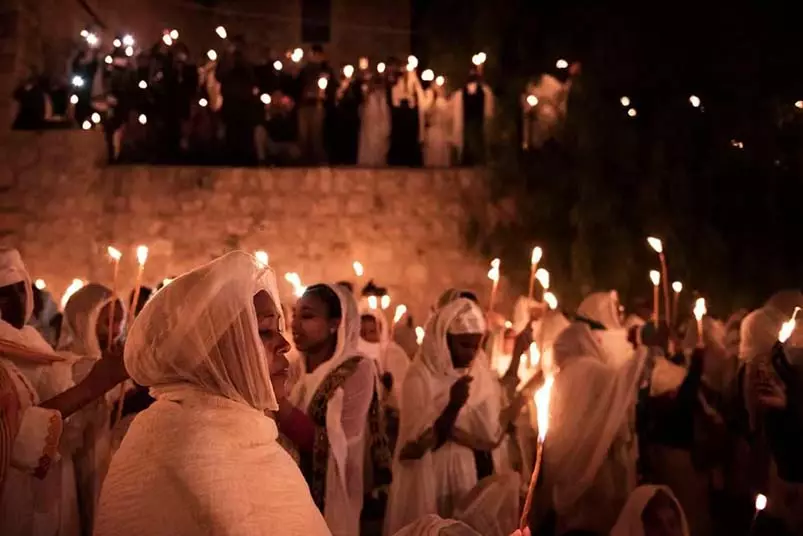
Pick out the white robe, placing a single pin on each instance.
(374, 130)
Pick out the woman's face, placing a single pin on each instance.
(272, 340)
(661, 517)
(463, 348)
(368, 329)
(113, 309)
(312, 327)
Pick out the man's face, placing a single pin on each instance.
(12, 304)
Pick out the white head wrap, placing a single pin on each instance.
(469, 320)
(458, 316)
(603, 308)
(630, 523)
(200, 333)
(81, 314)
(433, 525)
(12, 271)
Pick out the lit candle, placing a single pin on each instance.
(401, 310)
(385, 302)
(542, 275)
(700, 311)
(358, 269)
(262, 258)
(221, 32)
(655, 277)
(419, 335)
(372, 303)
(142, 257)
(535, 354)
(535, 258)
(542, 398)
(115, 256)
(677, 287)
(40, 284)
(74, 287)
(551, 300)
(788, 327)
(294, 280)
(493, 275)
(658, 246)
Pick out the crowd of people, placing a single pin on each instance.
(209, 407)
(164, 105)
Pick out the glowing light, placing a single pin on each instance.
(542, 397)
(114, 253)
(428, 75)
(166, 281)
(401, 310)
(700, 310)
(348, 71)
(117, 43)
(419, 335)
(203, 103)
(380, 67)
(532, 100)
(551, 300)
(542, 276)
(535, 355)
(84, 33)
(363, 64)
(142, 255)
(536, 256)
(92, 39)
(265, 98)
(481, 58)
(323, 83)
(73, 99)
(262, 258)
(385, 302)
(129, 51)
(493, 273)
(143, 84)
(143, 119)
(695, 101)
(295, 281)
(761, 502)
(86, 125)
(372, 302)
(412, 63)
(788, 327)
(677, 286)
(211, 54)
(95, 117)
(561, 64)
(128, 40)
(167, 40)
(297, 55)
(656, 244)
(737, 144)
(221, 32)
(74, 287)
(277, 65)
(77, 81)
(108, 60)
(625, 101)
(632, 112)
(40, 284)
(508, 324)
(799, 104)
(174, 34)
(358, 269)
(439, 81)
(655, 277)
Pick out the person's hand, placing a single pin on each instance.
(109, 370)
(458, 393)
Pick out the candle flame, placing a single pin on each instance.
(419, 334)
(538, 253)
(655, 277)
(372, 302)
(700, 309)
(551, 300)
(401, 310)
(541, 398)
(542, 276)
(114, 253)
(677, 286)
(385, 302)
(493, 273)
(221, 32)
(656, 244)
(74, 287)
(535, 355)
(40, 284)
(788, 327)
(295, 282)
(761, 502)
(262, 258)
(358, 269)
(142, 255)
(508, 324)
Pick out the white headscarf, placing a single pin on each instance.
(200, 333)
(548, 329)
(348, 339)
(81, 314)
(375, 350)
(603, 308)
(590, 406)
(433, 525)
(630, 523)
(760, 328)
(13, 271)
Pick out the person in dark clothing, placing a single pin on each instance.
(240, 115)
(31, 101)
(404, 95)
(474, 104)
(313, 80)
(344, 121)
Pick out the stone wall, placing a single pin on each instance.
(62, 206)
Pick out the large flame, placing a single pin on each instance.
(788, 327)
(541, 398)
(656, 244)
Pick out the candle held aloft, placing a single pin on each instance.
(542, 399)
(493, 275)
(788, 327)
(358, 269)
(401, 310)
(419, 335)
(262, 258)
(655, 277)
(535, 258)
(372, 302)
(700, 311)
(384, 302)
(551, 300)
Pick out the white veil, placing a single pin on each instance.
(200, 332)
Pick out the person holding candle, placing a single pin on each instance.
(651, 511)
(451, 418)
(38, 492)
(334, 414)
(204, 458)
